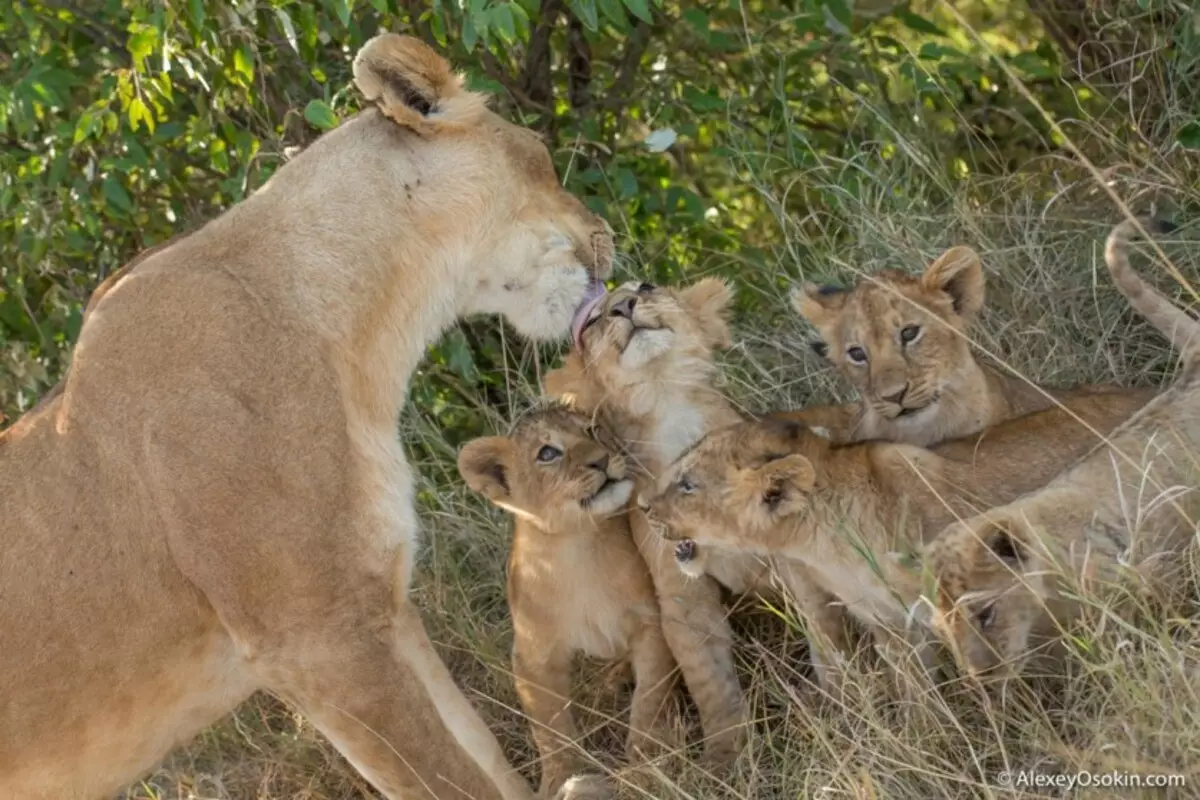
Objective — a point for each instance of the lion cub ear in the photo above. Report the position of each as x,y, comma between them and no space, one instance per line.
709,300
412,85
483,464
959,273
780,485
820,305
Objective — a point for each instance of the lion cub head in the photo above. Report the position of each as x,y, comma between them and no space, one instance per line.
996,594
899,340
556,469
643,339
459,173
742,488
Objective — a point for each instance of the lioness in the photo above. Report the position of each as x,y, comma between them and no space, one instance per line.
1121,521
853,515
645,355
216,501
576,583
902,342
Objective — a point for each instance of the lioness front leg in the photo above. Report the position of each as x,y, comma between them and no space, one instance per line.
543,678
653,694
380,693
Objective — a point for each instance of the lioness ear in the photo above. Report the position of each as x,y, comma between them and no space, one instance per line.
959,273
483,464
779,485
409,82
709,299
819,305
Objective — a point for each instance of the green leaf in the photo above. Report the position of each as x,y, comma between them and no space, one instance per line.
502,16
196,7
918,23
627,185
320,115
381,6
243,63
141,45
138,113
640,9
1189,135
585,10
469,35
840,10
116,195
935,52
289,30
342,9
614,12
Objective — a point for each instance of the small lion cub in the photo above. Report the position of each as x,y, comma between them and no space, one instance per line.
576,582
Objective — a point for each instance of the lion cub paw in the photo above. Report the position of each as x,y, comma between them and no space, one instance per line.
586,787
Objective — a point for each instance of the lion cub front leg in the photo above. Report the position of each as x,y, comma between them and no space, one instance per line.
543,678
655,674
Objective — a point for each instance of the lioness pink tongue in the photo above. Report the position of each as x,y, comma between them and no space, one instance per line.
591,298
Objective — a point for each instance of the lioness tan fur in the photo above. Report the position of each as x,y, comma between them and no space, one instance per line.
576,582
647,358
902,342
216,501
853,515
1119,524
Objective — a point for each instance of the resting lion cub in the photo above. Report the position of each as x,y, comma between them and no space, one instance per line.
901,341
576,583
853,515
1124,515
645,355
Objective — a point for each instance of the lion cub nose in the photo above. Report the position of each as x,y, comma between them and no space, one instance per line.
624,308
600,463
896,397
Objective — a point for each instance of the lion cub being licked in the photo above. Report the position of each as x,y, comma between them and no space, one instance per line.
901,341
576,583
645,356
853,515
1121,521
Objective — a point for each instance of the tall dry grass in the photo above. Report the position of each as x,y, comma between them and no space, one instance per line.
1130,705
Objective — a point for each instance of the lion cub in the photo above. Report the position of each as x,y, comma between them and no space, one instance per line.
1121,521
854,515
576,583
902,342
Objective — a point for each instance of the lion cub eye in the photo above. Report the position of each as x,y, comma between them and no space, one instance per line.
910,333
685,485
857,355
646,287
548,454
986,616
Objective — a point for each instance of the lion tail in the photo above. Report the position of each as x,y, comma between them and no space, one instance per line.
1173,322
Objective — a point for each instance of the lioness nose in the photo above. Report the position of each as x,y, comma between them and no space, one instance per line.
896,397
624,308
600,463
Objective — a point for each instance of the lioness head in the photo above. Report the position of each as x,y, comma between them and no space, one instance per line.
556,468
646,338
994,594
739,489
900,340
532,251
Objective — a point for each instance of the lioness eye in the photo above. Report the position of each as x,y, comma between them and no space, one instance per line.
909,334
548,454
986,616
857,355
646,287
